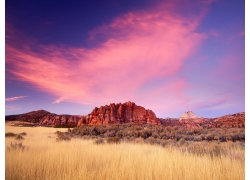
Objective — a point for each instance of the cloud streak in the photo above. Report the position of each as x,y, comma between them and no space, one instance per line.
15,98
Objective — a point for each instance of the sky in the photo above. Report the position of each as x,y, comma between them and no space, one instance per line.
170,56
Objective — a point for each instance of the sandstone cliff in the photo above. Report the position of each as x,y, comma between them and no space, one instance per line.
120,113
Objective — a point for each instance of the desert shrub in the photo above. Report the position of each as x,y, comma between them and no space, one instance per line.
23,133
111,134
162,135
119,134
101,129
155,135
151,140
197,138
209,137
19,137
62,136
16,147
146,133
197,131
138,128
139,140
115,139
10,134
181,141
222,139
99,141
131,132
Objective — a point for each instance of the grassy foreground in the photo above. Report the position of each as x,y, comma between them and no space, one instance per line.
44,158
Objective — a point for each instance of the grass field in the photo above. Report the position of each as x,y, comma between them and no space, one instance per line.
45,158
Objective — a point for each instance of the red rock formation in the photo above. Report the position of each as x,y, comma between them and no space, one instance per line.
227,121
188,115
52,120
126,113
120,113
194,122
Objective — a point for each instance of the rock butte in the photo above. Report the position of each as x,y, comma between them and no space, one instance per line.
120,113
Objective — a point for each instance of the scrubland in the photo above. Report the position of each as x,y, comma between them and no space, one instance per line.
42,154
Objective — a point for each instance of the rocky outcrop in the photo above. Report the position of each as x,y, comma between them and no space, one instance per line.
52,120
109,114
227,121
188,115
120,113
232,120
126,113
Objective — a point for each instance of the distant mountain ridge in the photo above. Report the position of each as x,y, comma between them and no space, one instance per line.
192,121
126,113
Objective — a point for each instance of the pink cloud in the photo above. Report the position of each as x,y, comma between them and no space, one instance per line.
14,98
140,46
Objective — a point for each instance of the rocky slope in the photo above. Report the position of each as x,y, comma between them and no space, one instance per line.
33,116
189,120
45,118
109,114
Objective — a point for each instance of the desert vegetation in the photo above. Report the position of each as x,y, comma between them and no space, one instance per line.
48,153
158,134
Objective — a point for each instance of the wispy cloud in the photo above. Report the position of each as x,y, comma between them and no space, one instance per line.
139,47
11,108
14,98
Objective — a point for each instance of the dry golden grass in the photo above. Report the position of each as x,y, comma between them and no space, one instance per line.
82,159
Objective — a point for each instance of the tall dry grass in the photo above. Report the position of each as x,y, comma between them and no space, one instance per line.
82,159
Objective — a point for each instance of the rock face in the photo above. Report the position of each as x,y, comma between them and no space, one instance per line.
52,120
188,115
232,120
119,114
189,120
